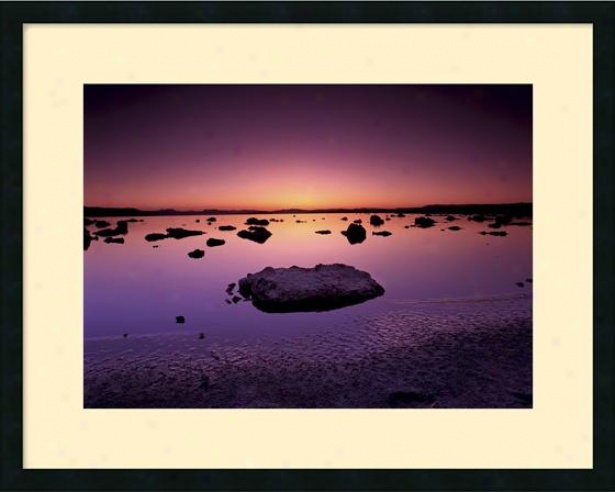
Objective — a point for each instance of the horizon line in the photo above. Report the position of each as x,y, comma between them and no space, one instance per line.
307,210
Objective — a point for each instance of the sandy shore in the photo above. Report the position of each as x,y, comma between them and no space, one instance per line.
464,354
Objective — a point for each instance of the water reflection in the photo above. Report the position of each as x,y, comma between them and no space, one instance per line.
136,288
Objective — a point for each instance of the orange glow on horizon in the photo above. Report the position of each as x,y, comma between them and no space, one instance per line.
303,188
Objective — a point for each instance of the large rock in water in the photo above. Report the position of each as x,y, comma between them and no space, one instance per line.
295,289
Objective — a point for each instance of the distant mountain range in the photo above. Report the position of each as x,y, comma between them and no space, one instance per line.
514,209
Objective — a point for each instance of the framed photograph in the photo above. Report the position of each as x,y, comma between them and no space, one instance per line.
406,295
308,245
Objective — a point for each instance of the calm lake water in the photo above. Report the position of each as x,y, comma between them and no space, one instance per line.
137,289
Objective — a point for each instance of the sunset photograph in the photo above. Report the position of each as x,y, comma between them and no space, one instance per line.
308,246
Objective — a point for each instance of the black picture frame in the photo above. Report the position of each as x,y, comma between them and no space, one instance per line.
14,15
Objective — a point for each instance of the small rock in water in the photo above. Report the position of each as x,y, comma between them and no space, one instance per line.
255,233
201,336
236,299
344,218
424,222
355,233
503,219
228,301
257,222
119,240
172,232
197,253
197,220
87,239
519,284
376,220
227,228
382,233
120,229
230,287
211,219
155,236
454,228
450,218
212,242
180,319
529,280
358,221
323,232
125,335
179,233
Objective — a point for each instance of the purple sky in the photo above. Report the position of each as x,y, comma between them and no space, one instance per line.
308,146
